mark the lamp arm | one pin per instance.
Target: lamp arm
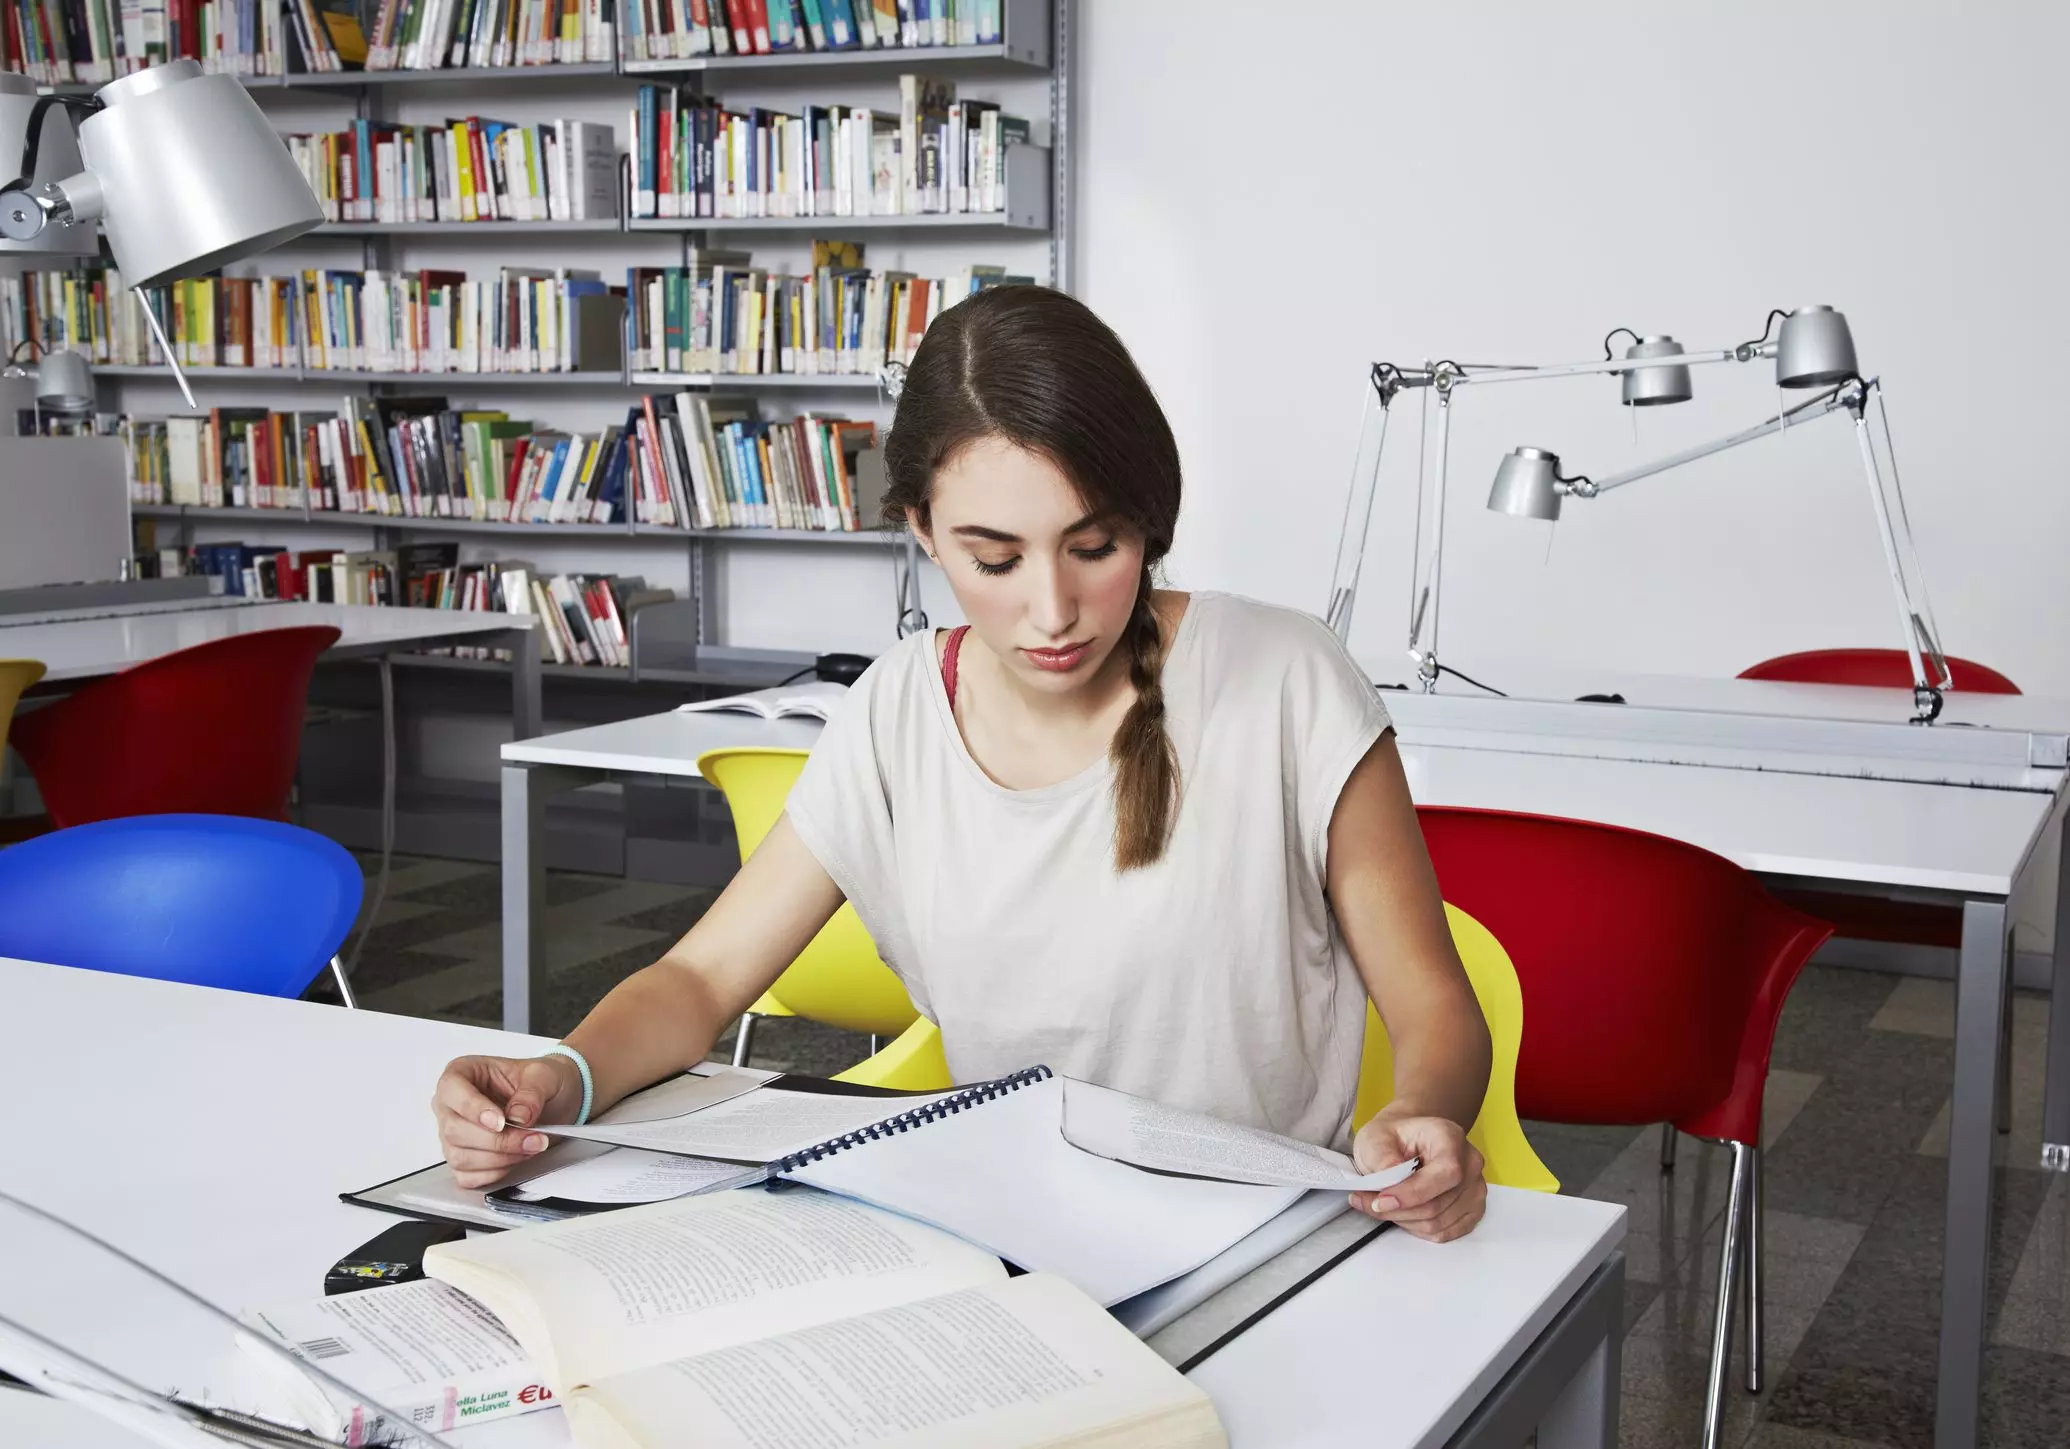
(32, 140)
(1832, 400)
(1612, 365)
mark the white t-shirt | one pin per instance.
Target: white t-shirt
(1215, 979)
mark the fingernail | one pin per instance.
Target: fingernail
(491, 1120)
(1385, 1204)
(519, 1115)
(535, 1143)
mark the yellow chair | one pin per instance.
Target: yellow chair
(16, 675)
(915, 1062)
(912, 1063)
(1497, 1132)
(837, 979)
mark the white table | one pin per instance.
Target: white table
(105, 643)
(266, 1109)
(1956, 815)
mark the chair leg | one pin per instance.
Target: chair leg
(1728, 1300)
(1668, 1138)
(740, 1039)
(344, 986)
(1756, 1350)
(876, 1043)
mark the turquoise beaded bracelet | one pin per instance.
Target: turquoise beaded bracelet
(589, 1086)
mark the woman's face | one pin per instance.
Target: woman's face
(1048, 589)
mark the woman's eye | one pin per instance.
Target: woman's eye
(1094, 555)
(994, 569)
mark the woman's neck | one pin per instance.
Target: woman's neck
(1025, 738)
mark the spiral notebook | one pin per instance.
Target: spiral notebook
(991, 1165)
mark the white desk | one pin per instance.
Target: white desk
(1967, 840)
(86, 648)
(1513, 1328)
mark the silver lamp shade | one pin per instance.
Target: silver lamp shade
(64, 383)
(1654, 386)
(1814, 349)
(1527, 485)
(184, 174)
(57, 156)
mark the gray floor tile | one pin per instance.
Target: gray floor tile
(1771, 1435)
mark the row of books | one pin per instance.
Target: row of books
(693, 158)
(467, 169)
(377, 35)
(521, 320)
(722, 314)
(682, 29)
(674, 464)
(585, 618)
(71, 42)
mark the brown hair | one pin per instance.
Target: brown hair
(1036, 368)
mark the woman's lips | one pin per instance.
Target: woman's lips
(1059, 661)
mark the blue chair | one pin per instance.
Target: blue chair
(211, 900)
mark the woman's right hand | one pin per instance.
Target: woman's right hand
(485, 1107)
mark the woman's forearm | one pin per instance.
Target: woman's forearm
(1441, 1066)
(660, 1020)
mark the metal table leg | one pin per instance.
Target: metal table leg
(1966, 1251)
(1565, 1387)
(2055, 1095)
(527, 702)
(525, 791)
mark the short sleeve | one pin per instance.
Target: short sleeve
(1331, 716)
(841, 809)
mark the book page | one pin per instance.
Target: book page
(815, 699)
(422, 1348)
(758, 1127)
(604, 1294)
(689, 1092)
(1026, 1362)
(1149, 1134)
(1000, 1173)
(632, 1175)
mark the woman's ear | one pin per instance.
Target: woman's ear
(925, 534)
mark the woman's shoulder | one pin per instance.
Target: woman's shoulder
(1261, 634)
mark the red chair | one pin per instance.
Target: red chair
(211, 730)
(1887, 668)
(1862, 917)
(1653, 974)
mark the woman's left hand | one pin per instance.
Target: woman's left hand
(1444, 1197)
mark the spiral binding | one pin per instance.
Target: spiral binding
(917, 1117)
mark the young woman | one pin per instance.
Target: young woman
(1154, 841)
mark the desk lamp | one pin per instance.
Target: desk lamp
(179, 169)
(64, 382)
(1813, 348)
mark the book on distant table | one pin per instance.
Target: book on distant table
(814, 699)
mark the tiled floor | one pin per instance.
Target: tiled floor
(1857, 1134)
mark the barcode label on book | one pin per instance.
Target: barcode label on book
(325, 1347)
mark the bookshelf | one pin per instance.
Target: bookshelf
(837, 578)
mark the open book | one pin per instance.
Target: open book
(815, 698)
(1118, 1195)
(753, 1318)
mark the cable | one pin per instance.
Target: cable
(1459, 674)
(1766, 327)
(387, 813)
(793, 679)
(1612, 333)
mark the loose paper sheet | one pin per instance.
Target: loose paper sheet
(630, 1175)
(1149, 1134)
(758, 1127)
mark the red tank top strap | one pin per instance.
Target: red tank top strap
(949, 652)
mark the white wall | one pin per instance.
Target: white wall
(1268, 206)
(1273, 197)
